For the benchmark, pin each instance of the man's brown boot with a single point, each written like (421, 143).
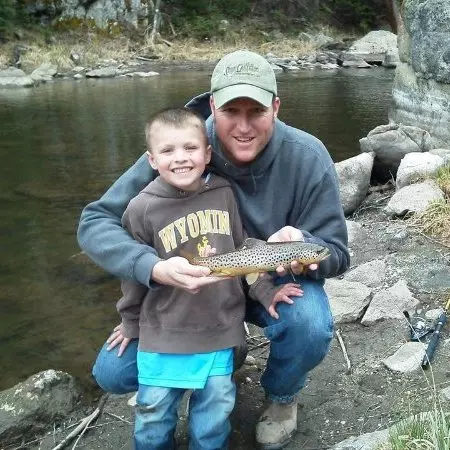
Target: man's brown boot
(276, 425)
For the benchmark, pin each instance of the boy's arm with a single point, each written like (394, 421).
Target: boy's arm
(264, 291)
(237, 229)
(100, 233)
(129, 308)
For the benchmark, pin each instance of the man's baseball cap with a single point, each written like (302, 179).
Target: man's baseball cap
(243, 74)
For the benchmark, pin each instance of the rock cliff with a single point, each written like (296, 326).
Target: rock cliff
(421, 90)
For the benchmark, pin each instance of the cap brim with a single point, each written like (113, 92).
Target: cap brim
(225, 95)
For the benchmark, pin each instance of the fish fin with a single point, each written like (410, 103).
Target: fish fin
(251, 278)
(189, 256)
(251, 243)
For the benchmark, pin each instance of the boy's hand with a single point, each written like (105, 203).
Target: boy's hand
(207, 251)
(287, 234)
(179, 273)
(284, 295)
(117, 338)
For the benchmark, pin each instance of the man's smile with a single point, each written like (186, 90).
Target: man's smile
(244, 140)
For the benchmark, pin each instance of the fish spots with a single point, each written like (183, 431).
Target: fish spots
(263, 258)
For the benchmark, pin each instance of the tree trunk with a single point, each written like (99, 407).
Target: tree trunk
(156, 21)
(392, 14)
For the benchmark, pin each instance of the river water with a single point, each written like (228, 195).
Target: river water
(62, 145)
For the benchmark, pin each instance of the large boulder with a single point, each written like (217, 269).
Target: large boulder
(348, 299)
(421, 89)
(390, 304)
(105, 13)
(372, 48)
(33, 406)
(417, 166)
(391, 143)
(414, 198)
(14, 77)
(45, 72)
(354, 180)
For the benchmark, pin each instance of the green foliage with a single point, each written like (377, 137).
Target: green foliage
(190, 9)
(428, 431)
(201, 27)
(356, 14)
(7, 14)
(442, 178)
(201, 18)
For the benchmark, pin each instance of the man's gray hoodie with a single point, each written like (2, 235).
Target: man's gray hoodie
(292, 182)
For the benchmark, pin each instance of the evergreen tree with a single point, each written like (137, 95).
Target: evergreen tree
(7, 14)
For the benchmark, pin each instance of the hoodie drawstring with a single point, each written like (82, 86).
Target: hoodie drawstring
(254, 181)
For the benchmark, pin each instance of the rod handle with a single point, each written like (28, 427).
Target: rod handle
(431, 348)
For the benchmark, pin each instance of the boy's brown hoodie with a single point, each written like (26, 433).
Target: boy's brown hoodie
(168, 319)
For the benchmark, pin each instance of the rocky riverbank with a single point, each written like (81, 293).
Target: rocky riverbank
(394, 267)
(316, 51)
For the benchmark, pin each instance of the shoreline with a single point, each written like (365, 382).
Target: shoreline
(376, 48)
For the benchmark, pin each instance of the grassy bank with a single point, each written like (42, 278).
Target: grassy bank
(434, 221)
(96, 48)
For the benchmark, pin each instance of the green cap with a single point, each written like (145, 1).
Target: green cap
(243, 74)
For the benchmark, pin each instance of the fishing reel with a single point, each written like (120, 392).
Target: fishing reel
(418, 326)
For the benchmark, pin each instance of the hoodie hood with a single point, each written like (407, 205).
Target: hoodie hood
(160, 188)
(200, 104)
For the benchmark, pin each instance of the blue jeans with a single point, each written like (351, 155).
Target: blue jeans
(209, 412)
(299, 340)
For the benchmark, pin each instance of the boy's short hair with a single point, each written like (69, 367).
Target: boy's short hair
(177, 118)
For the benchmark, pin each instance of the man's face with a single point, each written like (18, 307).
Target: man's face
(244, 127)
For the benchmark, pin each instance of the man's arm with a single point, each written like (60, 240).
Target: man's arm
(322, 222)
(100, 232)
(317, 217)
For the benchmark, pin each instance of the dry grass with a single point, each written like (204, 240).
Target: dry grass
(435, 219)
(192, 50)
(442, 178)
(94, 49)
(425, 431)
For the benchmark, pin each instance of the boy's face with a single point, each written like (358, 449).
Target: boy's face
(180, 154)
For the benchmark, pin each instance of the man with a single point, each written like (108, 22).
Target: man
(287, 189)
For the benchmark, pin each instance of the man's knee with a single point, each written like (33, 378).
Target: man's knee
(305, 326)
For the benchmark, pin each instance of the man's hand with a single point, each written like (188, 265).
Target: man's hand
(179, 273)
(286, 234)
(284, 295)
(117, 338)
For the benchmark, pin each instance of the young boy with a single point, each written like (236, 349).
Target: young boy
(186, 340)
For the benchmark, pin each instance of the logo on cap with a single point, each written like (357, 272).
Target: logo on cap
(242, 69)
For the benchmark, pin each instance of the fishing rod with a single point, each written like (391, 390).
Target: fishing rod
(434, 339)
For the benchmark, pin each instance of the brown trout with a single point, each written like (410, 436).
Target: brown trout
(256, 256)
